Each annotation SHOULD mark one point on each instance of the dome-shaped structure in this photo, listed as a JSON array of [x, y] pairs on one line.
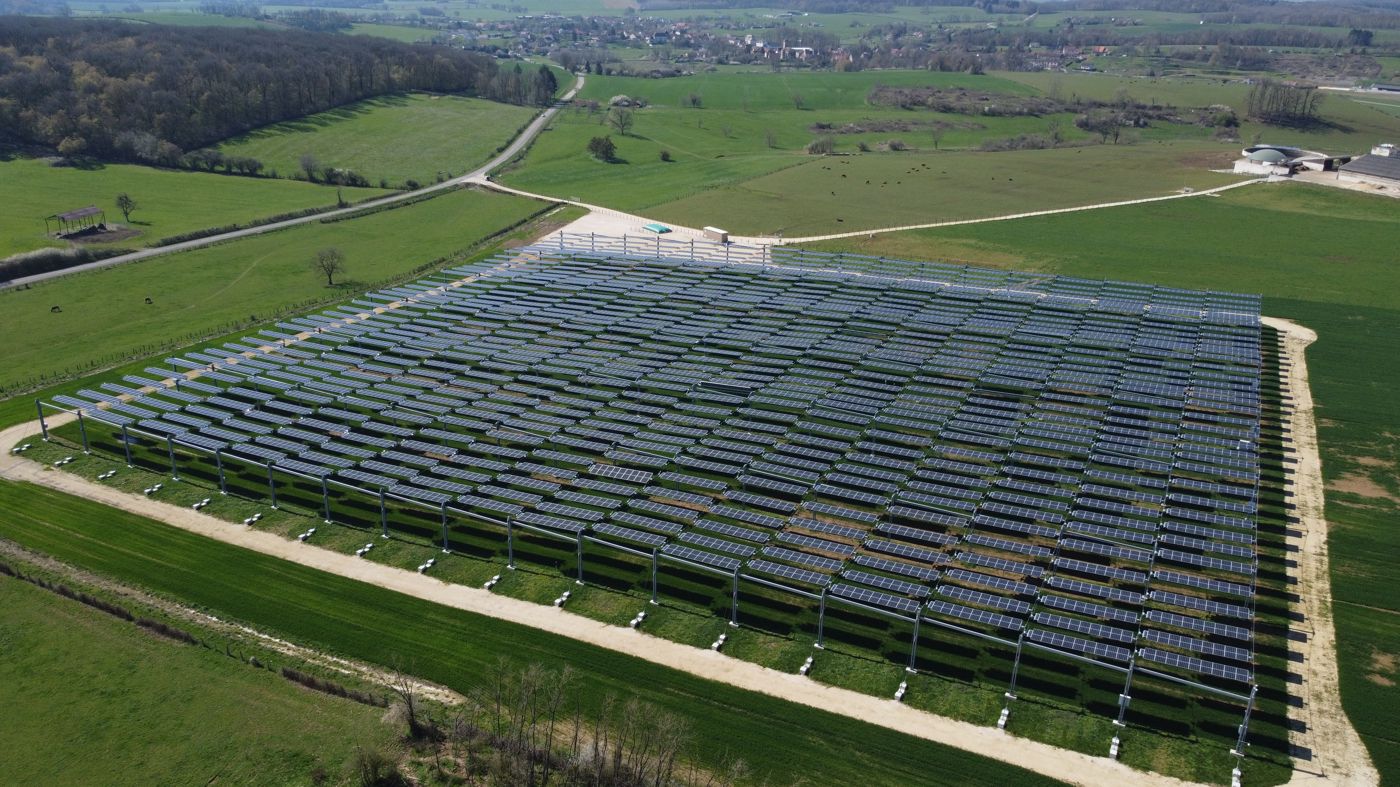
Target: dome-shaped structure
[[1268, 156]]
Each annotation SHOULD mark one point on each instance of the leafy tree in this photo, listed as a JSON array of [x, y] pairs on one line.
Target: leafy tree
[[545, 85], [603, 148], [126, 205], [329, 262]]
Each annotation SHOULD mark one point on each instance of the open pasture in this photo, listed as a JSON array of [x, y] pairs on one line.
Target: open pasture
[[169, 202], [391, 138], [749, 127], [80, 688], [831, 195], [104, 318]]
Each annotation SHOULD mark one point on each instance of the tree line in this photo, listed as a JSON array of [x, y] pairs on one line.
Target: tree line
[[148, 93]]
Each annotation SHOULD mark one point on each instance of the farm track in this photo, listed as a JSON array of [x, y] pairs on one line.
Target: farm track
[[1334, 751], [618, 222]]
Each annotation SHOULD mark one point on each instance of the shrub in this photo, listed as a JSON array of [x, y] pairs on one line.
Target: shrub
[[666, 155], [167, 631]]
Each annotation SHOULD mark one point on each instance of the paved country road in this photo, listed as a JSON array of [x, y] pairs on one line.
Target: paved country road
[[476, 176]]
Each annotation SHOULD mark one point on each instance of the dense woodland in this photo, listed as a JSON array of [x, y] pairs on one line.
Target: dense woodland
[[150, 92]]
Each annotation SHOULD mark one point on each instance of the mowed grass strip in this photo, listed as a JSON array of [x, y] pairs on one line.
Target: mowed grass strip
[[104, 317], [170, 202], [782, 742], [1322, 257], [90, 699], [395, 138]]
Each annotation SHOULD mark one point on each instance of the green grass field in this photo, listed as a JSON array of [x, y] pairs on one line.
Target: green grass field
[[395, 138], [105, 320], [783, 743], [1321, 257], [169, 202], [827, 196], [738, 162], [404, 33], [90, 699]]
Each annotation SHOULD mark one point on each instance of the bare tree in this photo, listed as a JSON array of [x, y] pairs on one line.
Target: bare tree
[[329, 262], [622, 119], [400, 682], [937, 133], [126, 205], [770, 138], [798, 102], [310, 166]]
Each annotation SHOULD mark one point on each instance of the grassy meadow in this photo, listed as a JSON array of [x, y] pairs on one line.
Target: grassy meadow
[[391, 138], [832, 195], [1322, 257], [169, 202], [91, 699], [105, 320], [777, 739], [738, 160]]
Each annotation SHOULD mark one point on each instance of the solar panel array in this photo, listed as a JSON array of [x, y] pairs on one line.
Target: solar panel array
[[1008, 452]]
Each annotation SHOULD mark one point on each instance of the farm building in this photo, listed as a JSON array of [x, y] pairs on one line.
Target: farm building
[[1380, 168], [1284, 160]]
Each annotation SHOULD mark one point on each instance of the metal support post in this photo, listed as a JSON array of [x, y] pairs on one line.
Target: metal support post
[[653, 577], [271, 485], [624, 243], [1244, 725], [326, 498], [1125, 698], [43, 425], [734, 602], [383, 515], [445, 549], [219, 465], [126, 445], [914, 643], [821, 620], [593, 242], [82, 430], [1015, 671], [174, 469], [510, 544], [579, 579]]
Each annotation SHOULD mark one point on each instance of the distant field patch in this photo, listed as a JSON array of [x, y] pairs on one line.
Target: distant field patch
[[394, 138], [404, 33], [170, 202]]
